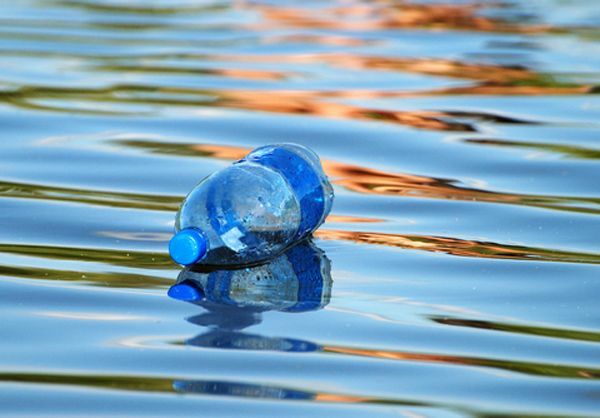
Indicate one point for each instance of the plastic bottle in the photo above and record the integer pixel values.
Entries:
(253, 210)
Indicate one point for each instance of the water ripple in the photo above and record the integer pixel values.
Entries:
(465, 132)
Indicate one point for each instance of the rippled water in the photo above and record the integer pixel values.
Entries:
(464, 241)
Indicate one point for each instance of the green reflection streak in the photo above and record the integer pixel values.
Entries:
(567, 150)
(90, 197)
(135, 383)
(519, 329)
(245, 390)
(124, 8)
(89, 39)
(540, 369)
(542, 80)
(156, 69)
(102, 279)
(123, 258)
(521, 367)
(191, 71)
(29, 97)
(110, 26)
(166, 148)
(165, 385)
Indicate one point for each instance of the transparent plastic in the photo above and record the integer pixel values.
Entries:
(256, 208)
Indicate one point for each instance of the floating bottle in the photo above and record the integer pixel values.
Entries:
(254, 209)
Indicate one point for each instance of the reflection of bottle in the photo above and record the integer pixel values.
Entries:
(240, 390)
(254, 209)
(296, 281)
(234, 340)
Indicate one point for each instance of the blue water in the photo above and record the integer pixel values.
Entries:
(462, 141)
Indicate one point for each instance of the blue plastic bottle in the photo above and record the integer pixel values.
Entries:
(253, 210)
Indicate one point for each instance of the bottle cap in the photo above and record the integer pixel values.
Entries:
(185, 291)
(188, 246)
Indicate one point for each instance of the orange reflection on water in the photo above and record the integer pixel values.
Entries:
(251, 74)
(492, 79)
(434, 66)
(309, 103)
(378, 15)
(396, 355)
(370, 181)
(351, 219)
(225, 152)
(458, 247)
(332, 40)
(332, 397)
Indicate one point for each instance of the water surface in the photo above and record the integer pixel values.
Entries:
(462, 140)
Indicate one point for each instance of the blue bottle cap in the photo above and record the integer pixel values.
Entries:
(185, 291)
(188, 246)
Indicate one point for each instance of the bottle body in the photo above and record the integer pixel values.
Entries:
(256, 208)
